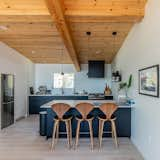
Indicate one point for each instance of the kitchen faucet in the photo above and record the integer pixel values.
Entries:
(62, 91)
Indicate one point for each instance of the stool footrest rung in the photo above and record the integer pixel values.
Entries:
(79, 133)
(107, 132)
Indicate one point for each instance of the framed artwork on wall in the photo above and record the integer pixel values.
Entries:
(149, 81)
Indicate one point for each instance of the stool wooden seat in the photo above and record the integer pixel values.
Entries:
(108, 109)
(60, 109)
(84, 109)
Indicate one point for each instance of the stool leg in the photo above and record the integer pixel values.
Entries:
(112, 130)
(101, 134)
(115, 133)
(77, 133)
(53, 135)
(57, 132)
(99, 131)
(91, 132)
(70, 127)
(68, 134)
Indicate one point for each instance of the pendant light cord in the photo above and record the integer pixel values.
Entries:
(62, 59)
(62, 69)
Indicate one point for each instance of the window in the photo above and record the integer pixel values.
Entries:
(63, 81)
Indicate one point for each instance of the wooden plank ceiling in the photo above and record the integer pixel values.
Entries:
(30, 27)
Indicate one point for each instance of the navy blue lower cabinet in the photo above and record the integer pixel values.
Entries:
(36, 101)
(123, 123)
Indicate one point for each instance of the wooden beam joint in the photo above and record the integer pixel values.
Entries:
(56, 10)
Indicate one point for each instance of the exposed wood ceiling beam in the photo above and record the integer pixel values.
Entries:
(56, 10)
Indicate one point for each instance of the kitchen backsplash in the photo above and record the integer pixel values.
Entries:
(44, 76)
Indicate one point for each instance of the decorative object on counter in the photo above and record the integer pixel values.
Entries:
(96, 96)
(49, 92)
(31, 89)
(42, 90)
(85, 92)
(116, 77)
(122, 99)
(126, 85)
(130, 101)
(149, 81)
(82, 93)
(107, 91)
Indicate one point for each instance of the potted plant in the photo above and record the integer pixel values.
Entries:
(126, 85)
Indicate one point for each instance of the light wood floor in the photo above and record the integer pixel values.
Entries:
(22, 142)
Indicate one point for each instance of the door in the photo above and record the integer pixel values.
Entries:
(7, 104)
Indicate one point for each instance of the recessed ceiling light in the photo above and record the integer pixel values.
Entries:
(33, 51)
(3, 28)
(98, 52)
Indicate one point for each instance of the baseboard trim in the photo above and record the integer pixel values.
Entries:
(20, 118)
(137, 147)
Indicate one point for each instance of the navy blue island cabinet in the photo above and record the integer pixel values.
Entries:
(123, 123)
(123, 115)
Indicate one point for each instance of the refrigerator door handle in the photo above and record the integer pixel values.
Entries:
(8, 102)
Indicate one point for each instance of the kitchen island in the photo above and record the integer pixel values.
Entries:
(123, 121)
(35, 101)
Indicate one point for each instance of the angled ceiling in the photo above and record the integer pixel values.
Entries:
(44, 35)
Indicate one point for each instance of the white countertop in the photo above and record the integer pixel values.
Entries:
(73, 103)
(65, 95)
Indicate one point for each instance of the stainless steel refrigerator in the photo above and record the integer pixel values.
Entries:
(7, 99)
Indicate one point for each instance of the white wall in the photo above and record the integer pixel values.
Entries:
(11, 62)
(142, 49)
(44, 76)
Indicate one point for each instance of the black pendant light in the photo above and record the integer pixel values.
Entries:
(88, 33)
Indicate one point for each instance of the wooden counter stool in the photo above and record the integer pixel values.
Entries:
(108, 109)
(60, 109)
(84, 109)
